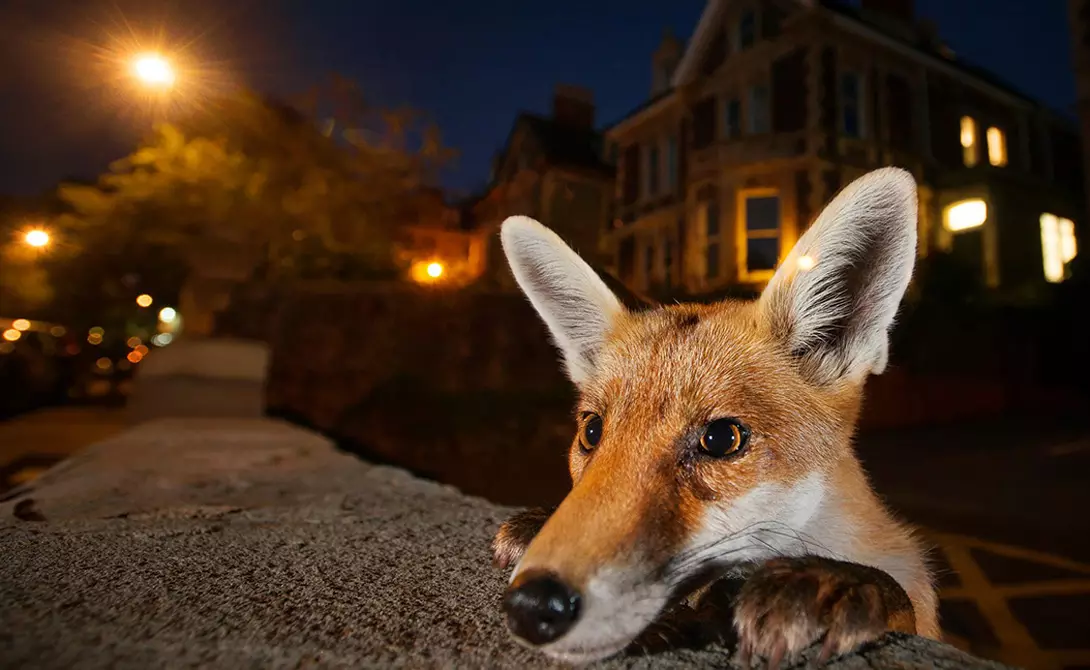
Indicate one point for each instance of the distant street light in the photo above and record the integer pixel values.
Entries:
(153, 70)
(37, 238)
(144, 300)
(435, 270)
(168, 315)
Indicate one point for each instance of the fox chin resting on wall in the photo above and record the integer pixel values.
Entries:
(717, 438)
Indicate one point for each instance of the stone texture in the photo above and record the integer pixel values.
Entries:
(251, 544)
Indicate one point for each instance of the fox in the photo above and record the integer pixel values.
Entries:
(716, 439)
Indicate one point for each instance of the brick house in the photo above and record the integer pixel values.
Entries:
(774, 105)
(552, 169)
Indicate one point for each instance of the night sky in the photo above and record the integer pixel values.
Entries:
(470, 64)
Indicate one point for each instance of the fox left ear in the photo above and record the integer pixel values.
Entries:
(570, 297)
(833, 300)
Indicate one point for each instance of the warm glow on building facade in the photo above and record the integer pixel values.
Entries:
(965, 215)
(1058, 246)
(997, 147)
(968, 140)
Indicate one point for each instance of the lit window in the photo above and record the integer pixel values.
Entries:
(1057, 246)
(968, 140)
(997, 147)
(965, 215)
(761, 212)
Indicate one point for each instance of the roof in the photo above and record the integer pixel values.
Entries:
(565, 145)
(929, 51)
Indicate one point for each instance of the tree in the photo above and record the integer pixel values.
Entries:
(253, 185)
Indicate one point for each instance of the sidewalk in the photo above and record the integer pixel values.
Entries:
(32, 443)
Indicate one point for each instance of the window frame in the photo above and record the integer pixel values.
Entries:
(744, 235)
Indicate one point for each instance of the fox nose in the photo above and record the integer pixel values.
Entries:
(540, 607)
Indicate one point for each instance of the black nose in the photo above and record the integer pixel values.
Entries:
(540, 608)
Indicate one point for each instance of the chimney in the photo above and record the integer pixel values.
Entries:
(573, 106)
(900, 9)
(664, 61)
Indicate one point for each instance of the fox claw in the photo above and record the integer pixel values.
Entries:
(515, 535)
(789, 604)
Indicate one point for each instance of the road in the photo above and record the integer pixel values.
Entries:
(31, 443)
(1006, 505)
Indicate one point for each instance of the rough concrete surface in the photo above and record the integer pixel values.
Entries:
(233, 543)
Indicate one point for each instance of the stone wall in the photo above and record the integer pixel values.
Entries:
(466, 387)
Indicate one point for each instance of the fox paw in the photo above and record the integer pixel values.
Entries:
(515, 535)
(789, 604)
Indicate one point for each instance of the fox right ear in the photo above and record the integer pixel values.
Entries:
(570, 297)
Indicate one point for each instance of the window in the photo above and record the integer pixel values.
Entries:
(997, 147)
(668, 261)
(652, 171)
(626, 259)
(671, 163)
(901, 107)
(732, 118)
(761, 213)
(968, 141)
(630, 187)
(747, 30)
(965, 215)
(1058, 246)
(851, 104)
(649, 264)
(758, 109)
(711, 235)
(704, 123)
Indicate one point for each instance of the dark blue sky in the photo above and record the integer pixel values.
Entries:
(471, 64)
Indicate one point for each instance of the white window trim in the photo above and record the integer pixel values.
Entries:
(743, 234)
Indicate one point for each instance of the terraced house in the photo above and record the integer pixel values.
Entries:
(774, 105)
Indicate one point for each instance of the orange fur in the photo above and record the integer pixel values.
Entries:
(646, 506)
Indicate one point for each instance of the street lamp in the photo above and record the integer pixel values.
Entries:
(153, 70)
(37, 238)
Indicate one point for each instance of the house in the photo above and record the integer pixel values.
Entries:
(552, 169)
(774, 105)
(436, 246)
(1079, 21)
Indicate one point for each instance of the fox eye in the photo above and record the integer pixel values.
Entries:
(724, 438)
(590, 433)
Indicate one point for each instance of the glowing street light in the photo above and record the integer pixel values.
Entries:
(435, 270)
(144, 300)
(37, 238)
(153, 70)
(168, 315)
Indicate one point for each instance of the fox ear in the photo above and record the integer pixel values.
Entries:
(570, 297)
(833, 300)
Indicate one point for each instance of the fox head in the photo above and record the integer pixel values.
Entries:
(706, 435)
